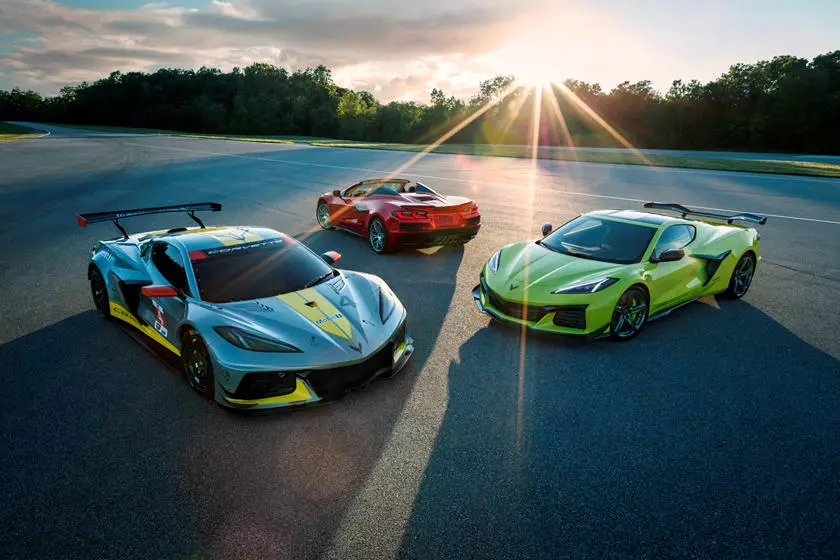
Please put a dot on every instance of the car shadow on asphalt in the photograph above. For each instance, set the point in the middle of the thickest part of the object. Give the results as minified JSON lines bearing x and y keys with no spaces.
{"x":111,"y":454}
{"x":601,"y":450}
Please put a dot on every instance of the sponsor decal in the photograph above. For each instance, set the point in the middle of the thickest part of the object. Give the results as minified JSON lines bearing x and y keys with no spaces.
{"x":321,"y":312}
{"x":160,"y":319}
{"x":123,"y":314}
{"x":326,"y":318}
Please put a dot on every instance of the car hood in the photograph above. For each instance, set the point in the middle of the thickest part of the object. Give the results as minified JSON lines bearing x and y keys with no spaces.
{"x":528,"y":266}
{"x":336,"y":315}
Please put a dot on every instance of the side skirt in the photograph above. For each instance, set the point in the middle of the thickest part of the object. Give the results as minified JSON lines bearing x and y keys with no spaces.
{"x":668,"y":310}
{"x":350,"y":231}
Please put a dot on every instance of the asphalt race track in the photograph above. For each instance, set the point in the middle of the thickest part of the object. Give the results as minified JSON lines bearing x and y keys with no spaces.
{"x":712,"y":435}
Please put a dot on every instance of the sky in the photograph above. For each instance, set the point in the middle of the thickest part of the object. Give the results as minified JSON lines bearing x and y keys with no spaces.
{"x":401,"y":49}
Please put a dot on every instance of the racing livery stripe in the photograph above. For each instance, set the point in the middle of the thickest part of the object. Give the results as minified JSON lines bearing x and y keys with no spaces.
{"x":320,"y":311}
{"x":123,"y":314}
{"x":299,"y":395}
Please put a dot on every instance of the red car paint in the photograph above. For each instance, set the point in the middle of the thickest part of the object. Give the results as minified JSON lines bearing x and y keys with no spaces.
{"x":413,"y":215}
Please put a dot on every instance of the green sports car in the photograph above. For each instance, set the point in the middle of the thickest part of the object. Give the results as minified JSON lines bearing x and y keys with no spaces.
{"x":609,"y":272}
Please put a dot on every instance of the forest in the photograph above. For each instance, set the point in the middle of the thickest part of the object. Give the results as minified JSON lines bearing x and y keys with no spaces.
{"x":786,"y":104}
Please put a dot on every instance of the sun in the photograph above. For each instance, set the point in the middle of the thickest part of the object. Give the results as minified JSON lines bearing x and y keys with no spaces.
{"x":531,"y":63}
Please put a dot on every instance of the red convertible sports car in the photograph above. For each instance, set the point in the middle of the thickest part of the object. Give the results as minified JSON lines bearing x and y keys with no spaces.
{"x":393,"y":213}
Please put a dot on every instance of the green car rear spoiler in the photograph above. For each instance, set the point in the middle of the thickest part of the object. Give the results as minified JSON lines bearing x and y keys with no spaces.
{"x":744,"y":217}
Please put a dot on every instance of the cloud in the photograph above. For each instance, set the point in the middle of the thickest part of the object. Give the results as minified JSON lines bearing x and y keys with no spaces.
{"x":379,"y":45}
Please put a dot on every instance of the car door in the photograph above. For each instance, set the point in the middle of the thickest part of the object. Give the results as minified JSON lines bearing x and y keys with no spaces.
{"x":356,"y":207}
{"x":339,"y":212}
{"x":165,"y":314}
{"x":674,"y":282}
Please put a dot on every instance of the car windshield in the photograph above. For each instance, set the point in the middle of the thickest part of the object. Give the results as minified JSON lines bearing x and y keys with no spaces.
{"x":256,"y":270}
{"x":590,"y":237}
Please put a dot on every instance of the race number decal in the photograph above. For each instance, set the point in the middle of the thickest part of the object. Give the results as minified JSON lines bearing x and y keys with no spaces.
{"x":160,"y":319}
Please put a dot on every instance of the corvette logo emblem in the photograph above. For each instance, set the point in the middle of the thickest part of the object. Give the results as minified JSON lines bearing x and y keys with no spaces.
{"x":357,"y":347}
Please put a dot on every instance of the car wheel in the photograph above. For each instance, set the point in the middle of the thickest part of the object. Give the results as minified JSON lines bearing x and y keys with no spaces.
{"x":323,"y":215}
{"x":378,"y":236}
{"x":198,"y":365}
{"x":742,"y":277}
{"x":630,"y":314}
{"x":99,"y":291}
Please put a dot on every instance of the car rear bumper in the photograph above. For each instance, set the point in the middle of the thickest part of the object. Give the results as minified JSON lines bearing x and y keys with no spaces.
{"x":435,"y":237}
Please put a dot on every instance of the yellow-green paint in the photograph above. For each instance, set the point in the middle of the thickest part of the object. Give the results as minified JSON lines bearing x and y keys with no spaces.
{"x":320,"y":311}
{"x":300,"y":394}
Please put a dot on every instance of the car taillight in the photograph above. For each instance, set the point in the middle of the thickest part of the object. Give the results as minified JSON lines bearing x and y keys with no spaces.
{"x":408,"y":214}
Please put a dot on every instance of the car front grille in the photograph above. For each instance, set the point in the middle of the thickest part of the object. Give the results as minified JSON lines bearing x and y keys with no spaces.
{"x":336,"y":381}
{"x":570,"y":316}
{"x":261,"y":385}
{"x":529,"y":313}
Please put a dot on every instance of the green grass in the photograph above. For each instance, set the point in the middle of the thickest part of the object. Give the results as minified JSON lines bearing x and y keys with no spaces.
{"x":690,"y":162}
{"x":10,"y":132}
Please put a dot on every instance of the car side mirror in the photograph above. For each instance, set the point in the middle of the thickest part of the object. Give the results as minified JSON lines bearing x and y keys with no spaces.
{"x":331,"y":257}
{"x":159,"y":291}
{"x":336,"y":192}
{"x":546,"y":229}
{"x":670,"y":256}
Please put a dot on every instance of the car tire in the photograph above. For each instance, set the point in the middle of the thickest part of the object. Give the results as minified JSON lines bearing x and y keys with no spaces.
{"x":99,"y":292}
{"x":378,"y":236}
{"x":322,"y":215}
{"x":198,"y":367}
{"x":742,"y":277}
{"x":630,"y":314}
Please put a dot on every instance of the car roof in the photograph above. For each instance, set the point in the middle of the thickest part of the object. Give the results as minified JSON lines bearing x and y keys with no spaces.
{"x":646,"y":218}
{"x":658,"y":220}
{"x":195,"y":238}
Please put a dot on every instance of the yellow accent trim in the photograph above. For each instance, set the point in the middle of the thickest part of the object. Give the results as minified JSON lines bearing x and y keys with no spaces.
{"x":230,"y":237}
{"x":300,"y":394}
{"x":399,"y":351}
{"x":124,"y":315}
{"x":323,"y":313}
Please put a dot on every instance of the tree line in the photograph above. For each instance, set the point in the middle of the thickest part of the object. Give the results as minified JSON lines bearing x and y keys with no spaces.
{"x":784,"y":104}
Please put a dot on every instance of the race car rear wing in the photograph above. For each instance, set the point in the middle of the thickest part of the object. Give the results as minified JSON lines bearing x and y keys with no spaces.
{"x":116,"y":215}
{"x":752,"y":218}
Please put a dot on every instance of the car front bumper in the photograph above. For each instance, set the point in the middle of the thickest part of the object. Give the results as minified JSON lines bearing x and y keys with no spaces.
{"x":328,"y":383}
{"x":597,"y":319}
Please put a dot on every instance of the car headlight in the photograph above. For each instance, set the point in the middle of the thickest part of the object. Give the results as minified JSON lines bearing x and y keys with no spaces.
{"x":588,"y":288}
{"x":493,"y":263}
{"x":387,"y":302}
{"x":252,"y":341}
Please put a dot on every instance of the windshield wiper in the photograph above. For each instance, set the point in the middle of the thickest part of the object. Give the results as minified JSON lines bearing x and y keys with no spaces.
{"x":319,"y":279}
